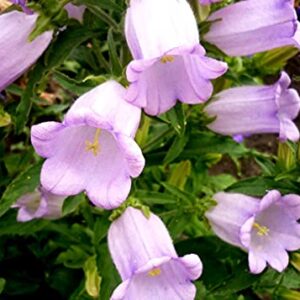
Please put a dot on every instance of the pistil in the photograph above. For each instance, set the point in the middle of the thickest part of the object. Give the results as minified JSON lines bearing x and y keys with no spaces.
{"x":167,"y":58}
{"x":261,"y":230}
{"x":154,"y":272}
{"x":94,"y":146}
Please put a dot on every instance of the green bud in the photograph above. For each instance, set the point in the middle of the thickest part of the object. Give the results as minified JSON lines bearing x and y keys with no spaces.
{"x":286,"y":294}
{"x":295,"y":261}
{"x":180,"y":174}
{"x":286,"y":156}
{"x":92,"y":278}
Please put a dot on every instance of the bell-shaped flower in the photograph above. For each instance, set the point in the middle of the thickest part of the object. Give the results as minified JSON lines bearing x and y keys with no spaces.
{"x":243,"y":111}
{"x":75,"y":12}
{"x":145,"y":257}
{"x":17,"y":53}
{"x":249,"y":27}
{"x":39,"y":204}
{"x":265,"y":228}
{"x":169,"y":63}
{"x":93,"y":149}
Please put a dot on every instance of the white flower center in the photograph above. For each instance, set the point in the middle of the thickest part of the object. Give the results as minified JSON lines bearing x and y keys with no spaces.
{"x":94,"y":146}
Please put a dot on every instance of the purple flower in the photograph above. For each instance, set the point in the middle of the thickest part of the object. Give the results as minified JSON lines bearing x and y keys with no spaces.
{"x":252,"y":26}
{"x":145,"y":257}
{"x":169,"y":63}
{"x":257,"y":109}
{"x":75,"y":12}
{"x":266,"y":228}
{"x":17,"y":54}
{"x":207,"y":2}
{"x":39,"y":204}
{"x":93,"y":149}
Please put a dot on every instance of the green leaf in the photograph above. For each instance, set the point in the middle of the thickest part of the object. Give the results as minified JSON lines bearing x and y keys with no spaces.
{"x":72,"y":203}
{"x":116,"y":67}
{"x":2,"y":284}
{"x":152,"y":198}
{"x":12,"y":227}
{"x":177,"y":118}
{"x":68,"y":40}
{"x":25,"y":183}
{"x":74,"y":257}
{"x":73,"y":85}
{"x":176,"y":148}
{"x":258,"y":186}
{"x":24,"y":107}
{"x":5,"y":118}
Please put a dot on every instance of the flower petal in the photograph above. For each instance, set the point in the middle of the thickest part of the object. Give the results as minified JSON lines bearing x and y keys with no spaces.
{"x":249,"y":27}
{"x":22,"y":53}
{"x":134,"y":240}
{"x":230,"y":213}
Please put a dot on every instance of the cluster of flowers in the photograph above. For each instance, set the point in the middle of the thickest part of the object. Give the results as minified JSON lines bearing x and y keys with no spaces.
{"x":93,"y":148}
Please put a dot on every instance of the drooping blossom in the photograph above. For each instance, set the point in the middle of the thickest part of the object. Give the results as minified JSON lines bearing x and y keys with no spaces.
{"x":253,"y":26}
{"x":169,"y":63}
{"x":243,"y":111}
{"x":145,"y":257}
{"x":75,"y":12}
{"x":39,"y":204}
{"x":93,"y":149}
{"x":207,"y":2}
{"x":265,"y":228}
{"x":17,"y":53}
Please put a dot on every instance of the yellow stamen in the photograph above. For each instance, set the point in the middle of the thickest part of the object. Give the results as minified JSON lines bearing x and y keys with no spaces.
{"x":94,"y":146}
{"x":167,"y":58}
{"x":154,"y":272}
{"x":261,"y":230}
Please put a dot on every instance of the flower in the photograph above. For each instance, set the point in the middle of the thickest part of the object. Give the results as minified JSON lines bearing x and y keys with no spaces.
{"x":39,"y":204}
{"x":256,"y":109}
{"x":146,"y":259}
{"x":169,"y":63}
{"x":266,"y":228}
{"x":253,"y":26}
{"x":75,"y":12}
{"x":17,"y":54}
{"x":93,"y":149}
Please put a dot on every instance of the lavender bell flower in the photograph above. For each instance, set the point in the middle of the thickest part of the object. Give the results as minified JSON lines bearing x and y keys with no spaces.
{"x":145,"y":257}
{"x":93,"y":149}
{"x":17,"y":54}
{"x":169,"y":63}
{"x":243,"y":111}
{"x":39,"y":204}
{"x":75,"y":12}
{"x":253,"y":26}
{"x":266,"y":228}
